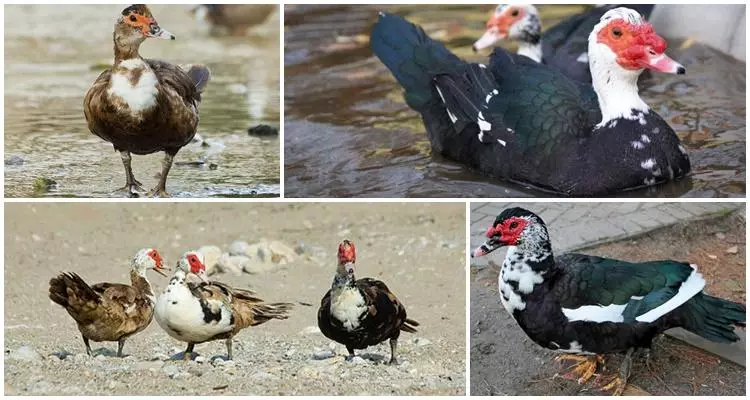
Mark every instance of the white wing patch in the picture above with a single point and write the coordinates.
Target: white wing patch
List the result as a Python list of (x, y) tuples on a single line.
[(693, 285)]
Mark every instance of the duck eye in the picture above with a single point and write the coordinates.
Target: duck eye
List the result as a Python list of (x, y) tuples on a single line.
[(513, 225), (133, 18), (617, 32), (514, 13)]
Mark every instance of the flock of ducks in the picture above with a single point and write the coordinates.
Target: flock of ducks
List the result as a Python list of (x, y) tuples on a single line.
[(193, 309)]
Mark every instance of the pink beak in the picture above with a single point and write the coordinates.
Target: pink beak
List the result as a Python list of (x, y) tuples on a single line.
[(662, 63)]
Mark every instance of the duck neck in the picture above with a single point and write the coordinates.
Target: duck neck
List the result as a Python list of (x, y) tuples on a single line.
[(126, 48), (140, 282), (342, 279), (616, 87), (531, 50)]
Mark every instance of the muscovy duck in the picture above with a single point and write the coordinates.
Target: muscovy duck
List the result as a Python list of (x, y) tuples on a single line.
[(110, 312), (359, 313), (199, 312), (143, 106), (588, 305), (564, 46), (526, 122)]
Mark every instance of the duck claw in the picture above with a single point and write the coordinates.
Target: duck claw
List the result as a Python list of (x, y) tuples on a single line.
[(158, 193), (132, 190)]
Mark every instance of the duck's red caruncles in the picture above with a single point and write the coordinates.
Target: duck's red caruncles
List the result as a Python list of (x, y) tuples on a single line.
[(206, 311), (361, 312), (110, 312), (144, 106)]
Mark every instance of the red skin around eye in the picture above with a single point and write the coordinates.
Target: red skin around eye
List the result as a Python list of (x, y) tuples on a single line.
[(504, 21), (632, 46), (507, 234)]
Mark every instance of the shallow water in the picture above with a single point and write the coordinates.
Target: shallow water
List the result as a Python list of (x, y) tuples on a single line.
[(57, 52), (348, 131)]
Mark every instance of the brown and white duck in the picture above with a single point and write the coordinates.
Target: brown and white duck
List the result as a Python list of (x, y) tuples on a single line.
[(234, 19), (198, 312), (143, 106), (359, 313), (110, 312)]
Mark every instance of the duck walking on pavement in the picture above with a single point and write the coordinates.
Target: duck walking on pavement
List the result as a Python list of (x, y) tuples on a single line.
[(144, 106), (110, 312), (204, 311), (525, 122), (359, 313), (587, 306)]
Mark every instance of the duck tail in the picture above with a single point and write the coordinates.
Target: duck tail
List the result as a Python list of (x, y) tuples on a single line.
[(412, 57), (712, 318), (410, 326), (199, 73), (75, 295), (264, 312)]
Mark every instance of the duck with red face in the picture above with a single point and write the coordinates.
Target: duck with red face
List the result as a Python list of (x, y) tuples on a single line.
[(564, 46), (525, 122), (203, 311), (584, 306), (110, 312), (144, 106)]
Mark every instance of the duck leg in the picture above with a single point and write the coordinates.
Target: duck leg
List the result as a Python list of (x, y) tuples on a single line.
[(394, 342), (188, 351), (229, 349), (351, 353), (120, 345), (86, 342), (619, 381), (132, 187), (161, 188), (583, 369)]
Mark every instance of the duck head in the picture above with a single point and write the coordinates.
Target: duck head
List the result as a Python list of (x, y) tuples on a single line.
[(136, 24), (519, 22), (147, 259), (624, 40), (346, 259), (516, 227), (193, 263)]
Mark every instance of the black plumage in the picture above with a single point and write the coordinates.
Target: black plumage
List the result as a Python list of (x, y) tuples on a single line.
[(374, 316), (525, 122), (583, 304)]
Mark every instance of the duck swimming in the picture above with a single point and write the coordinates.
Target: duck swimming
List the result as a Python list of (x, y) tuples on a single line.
[(143, 106), (525, 122)]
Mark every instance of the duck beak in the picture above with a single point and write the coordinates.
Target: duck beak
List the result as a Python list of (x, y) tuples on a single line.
[(156, 32), (487, 248), (662, 63), (489, 38), (160, 270)]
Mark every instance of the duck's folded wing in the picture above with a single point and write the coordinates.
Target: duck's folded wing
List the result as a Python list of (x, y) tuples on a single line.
[(177, 79), (385, 311), (600, 289)]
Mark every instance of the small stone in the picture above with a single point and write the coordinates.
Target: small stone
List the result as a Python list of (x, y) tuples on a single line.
[(14, 160), (289, 353), (420, 341), (733, 250), (100, 357), (721, 236), (25, 353), (238, 248), (171, 370), (358, 360), (263, 130), (200, 359), (36, 237), (323, 354), (159, 356), (332, 346), (713, 257)]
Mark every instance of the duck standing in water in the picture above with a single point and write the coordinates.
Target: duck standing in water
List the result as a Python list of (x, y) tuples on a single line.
[(143, 106), (525, 122)]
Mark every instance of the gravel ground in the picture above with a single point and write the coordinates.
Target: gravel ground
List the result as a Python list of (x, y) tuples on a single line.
[(417, 250), (504, 361)]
